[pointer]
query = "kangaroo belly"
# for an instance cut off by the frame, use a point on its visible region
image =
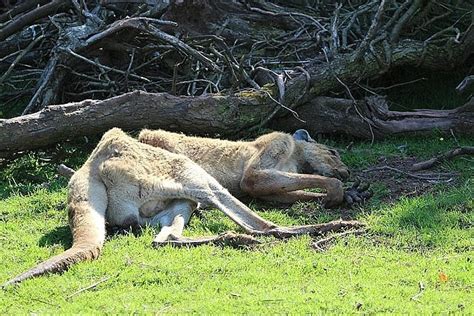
(151, 208)
(131, 202)
(128, 210)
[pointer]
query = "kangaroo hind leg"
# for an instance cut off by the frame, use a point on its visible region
(172, 221)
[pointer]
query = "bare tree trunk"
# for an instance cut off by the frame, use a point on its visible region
(213, 114)
(192, 56)
(371, 118)
(200, 115)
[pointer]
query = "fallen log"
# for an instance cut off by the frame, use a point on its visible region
(371, 118)
(204, 115)
(227, 116)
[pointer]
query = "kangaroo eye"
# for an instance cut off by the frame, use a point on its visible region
(334, 152)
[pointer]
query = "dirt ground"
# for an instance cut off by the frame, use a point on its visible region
(402, 181)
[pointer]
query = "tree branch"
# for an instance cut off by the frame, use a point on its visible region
(28, 18)
(446, 156)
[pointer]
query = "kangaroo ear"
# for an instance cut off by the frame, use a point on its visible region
(302, 135)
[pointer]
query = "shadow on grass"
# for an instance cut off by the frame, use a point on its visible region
(32, 170)
(60, 235)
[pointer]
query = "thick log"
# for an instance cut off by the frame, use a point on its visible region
(226, 116)
(204, 115)
(341, 72)
(371, 118)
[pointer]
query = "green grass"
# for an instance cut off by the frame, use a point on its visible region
(413, 241)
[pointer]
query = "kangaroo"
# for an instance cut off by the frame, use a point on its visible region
(126, 183)
(274, 167)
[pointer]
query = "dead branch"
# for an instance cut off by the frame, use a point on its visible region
(460, 151)
(28, 18)
(20, 8)
(421, 288)
(46, 91)
(464, 85)
(181, 46)
(397, 29)
(441, 177)
(19, 57)
(99, 65)
(320, 244)
(328, 113)
(372, 32)
(93, 285)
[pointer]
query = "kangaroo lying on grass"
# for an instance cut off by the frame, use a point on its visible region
(127, 183)
(274, 167)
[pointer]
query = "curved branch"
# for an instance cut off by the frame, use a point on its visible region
(28, 18)
(20, 8)
(460, 151)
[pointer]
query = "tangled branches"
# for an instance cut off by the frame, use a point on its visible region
(63, 50)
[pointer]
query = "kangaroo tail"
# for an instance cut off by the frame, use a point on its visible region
(59, 263)
(87, 222)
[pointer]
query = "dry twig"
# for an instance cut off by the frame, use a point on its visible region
(421, 287)
(93, 285)
(446, 156)
(26, 19)
(443, 177)
(20, 56)
(320, 244)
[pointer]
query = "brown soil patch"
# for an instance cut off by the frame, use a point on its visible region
(399, 184)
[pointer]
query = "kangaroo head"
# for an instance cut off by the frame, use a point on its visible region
(319, 159)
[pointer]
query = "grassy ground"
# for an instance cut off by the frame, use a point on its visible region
(417, 256)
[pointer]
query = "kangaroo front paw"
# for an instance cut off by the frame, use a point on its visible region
(358, 193)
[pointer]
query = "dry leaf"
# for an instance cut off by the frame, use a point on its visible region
(443, 277)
